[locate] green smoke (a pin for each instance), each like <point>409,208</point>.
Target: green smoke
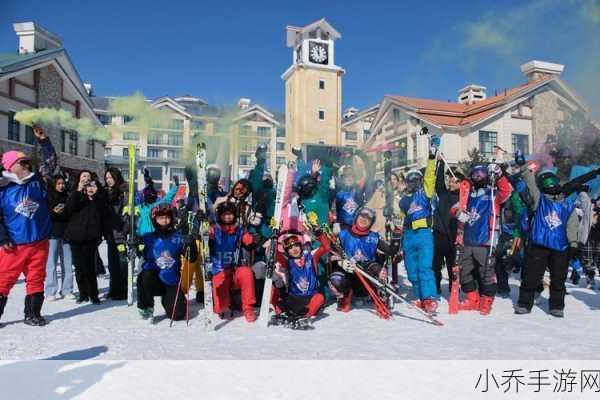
<point>143,116</point>
<point>64,120</point>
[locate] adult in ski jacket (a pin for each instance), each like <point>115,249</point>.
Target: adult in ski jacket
<point>25,226</point>
<point>352,192</point>
<point>116,195</point>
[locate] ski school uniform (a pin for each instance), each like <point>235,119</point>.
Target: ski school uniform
<point>302,297</point>
<point>229,270</point>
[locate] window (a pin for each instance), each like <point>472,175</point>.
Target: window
<point>29,137</point>
<point>263,131</point>
<point>14,128</point>
<point>174,154</point>
<point>90,151</point>
<point>104,119</point>
<point>63,140</point>
<point>321,84</point>
<point>155,138</point>
<point>245,130</point>
<point>322,115</point>
<point>175,140</point>
<point>176,124</point>
<point>127,119</point>
<point>154,153</point>
<point>280,160</point>
<point>125,152</point>
<point>125,173</point>
<point>280,146</point>
<point>155,173</point>
<point>131,136</point>
<point>73,143</point>
<point>366,134</point>
<point>487,141</point>
<point>244,159</point>
<point>520,142</point>
<point>176,172</point>
<point>198,125</point>
<point>400,154</point>
<point>280,132</point>
<point>351,135</point>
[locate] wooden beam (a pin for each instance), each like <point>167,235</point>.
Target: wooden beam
<point>18,100</point>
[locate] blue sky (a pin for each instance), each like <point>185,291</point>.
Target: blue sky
<point>223,50</point>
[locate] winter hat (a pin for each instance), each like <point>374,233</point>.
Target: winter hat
<point>12,157</point>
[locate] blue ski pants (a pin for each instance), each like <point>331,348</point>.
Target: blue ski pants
<point>418,259</point>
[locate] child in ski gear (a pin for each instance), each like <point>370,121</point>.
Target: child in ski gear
<point>361,245</point>
<point>417,241</point>
<point>552,238</point>
<point>298,269</point>
<point>230,269</point>
<point>57,200</point>
<point>25,226</point>
<point>88,210</point>
<point>351,194</point>
<point>489,190</point>
<point>150,200</point>
<point>160,275</point>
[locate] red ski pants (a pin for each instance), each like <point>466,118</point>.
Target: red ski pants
<point>233,278</point>
<point>29,259</point>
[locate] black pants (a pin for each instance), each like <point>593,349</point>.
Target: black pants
<point>84,259</point>
<point>117,267</point>
<point>150,285</point>
<point>538,258</point>
<point>443,251</point>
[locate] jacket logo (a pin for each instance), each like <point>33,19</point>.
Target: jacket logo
<point>553,220</point>
<point>359,256</point>
<point>350,206</point>
<point>303,284</point>
<point>27,208</point>
<point>414,207</point>
<point>165,260</point>
<point>474,216</point>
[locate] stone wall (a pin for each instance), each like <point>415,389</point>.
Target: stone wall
<point>546,117</point>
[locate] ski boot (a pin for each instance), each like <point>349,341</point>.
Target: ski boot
<point>557,313</point>
<point>226,315</point>
<point>520,310</point>
<point>575,277</point>
<point>146,313</point>
<point>429,306</point>
<point>504,294</point>
<point>3,300</point>
<point>485,305</point>
<point>250,315</point>
<point>471,302</point>
<point>200,297</point>
<point>344,304</point>
<point>33,308</point>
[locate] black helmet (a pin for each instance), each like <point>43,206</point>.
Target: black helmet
<point>548,182</point>
<point>164,209</point>
<point>414,180</point>
<point>226,207</point>
<point>480,176</point>
<point>339,282</point>
<point>213,174</point>
<point>307,186</point>
<point>366,212</point>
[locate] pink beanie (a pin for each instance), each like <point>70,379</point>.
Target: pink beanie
<point>12,157</point>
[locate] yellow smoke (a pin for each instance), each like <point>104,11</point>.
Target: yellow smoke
<point>143,116</point>
<point>49,117</point>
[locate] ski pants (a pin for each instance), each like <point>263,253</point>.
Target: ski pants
<point>191,271</point>
<point>476,272</point>
<point>305,306</point>
<point>84,259</point>
<point>418,258</point>
<point>117,267</point>
<point>444,252</point>
<point>150,285</point>
<point>29,259</point>
<point>538,258</point>
<point>233,278</point>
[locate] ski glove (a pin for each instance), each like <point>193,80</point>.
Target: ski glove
<point>463,216</point>
<point>495,169</point>
<point>255,218</point>
<point>519,158</point>
<point>349,265</point>
<point>176,180</point>
<point>121,248</point>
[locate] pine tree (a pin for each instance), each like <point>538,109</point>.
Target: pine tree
<point>474,157</point>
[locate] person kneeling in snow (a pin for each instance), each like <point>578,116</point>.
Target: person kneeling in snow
<point>160,273</point>
<point>298,270</point>
<point>230,269</point>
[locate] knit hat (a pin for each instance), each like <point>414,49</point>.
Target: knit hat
<point>12,157</point>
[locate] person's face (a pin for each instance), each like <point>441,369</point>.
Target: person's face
<point>453,184</point>
<point>91,188</point>
<point>85,177</point>
<point>295,251</point>
<point>21,168</point>
<point>163,220</point>
<point>60,186</point>
<point>348,180</point>
<point>363,221</point>
<point>394,181</point>
<point>227,218</point>
<point>110,181</point>
<point>239,191</point>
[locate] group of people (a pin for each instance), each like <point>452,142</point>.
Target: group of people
<point>336,219</point>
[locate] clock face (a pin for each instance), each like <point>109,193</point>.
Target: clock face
<point>318,53</point>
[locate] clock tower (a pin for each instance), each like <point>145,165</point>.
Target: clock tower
<point>313,86</point>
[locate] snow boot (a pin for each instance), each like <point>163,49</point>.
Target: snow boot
<point>471,302</point>
<point>200,297</point>
<point>33,309</point>
<point>146,313</point>
<point>522,310</point>
<point>505,294</point>
<point>575,277</point>
<point>345,303</point>
<point>250,315</point>
<point>429,305</point>
<point>3,300</point>
<point>557,313</point>
<point>485,305</point>
<point>226,315</point>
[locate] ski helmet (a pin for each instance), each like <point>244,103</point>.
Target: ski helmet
<point>213,174</point>
<point>291,241</point>
<point>414,180</point>
<point>479,176</point>
<point>548,182</point>
<point>367,213</point>
<point>226,207</point>
<point>307,186</point>
<point>242,183</point>
<point>167,210</point>
<point>339,282</point>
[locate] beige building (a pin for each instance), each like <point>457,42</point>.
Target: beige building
<point>41,74</point>
<point>517,118</point>
<point>356,126</point>
<point>313,86</point>
<point>231,135</point>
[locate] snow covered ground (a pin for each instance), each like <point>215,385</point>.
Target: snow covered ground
<point>114,331</point>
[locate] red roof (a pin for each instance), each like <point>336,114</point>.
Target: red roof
<point>455,114</point>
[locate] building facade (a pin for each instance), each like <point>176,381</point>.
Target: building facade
<point>42,75</point>
<point>356,126</point>
<point>313,86</point>
<point>517,118</point>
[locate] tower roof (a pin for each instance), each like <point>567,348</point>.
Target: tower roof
<point>295,33</point>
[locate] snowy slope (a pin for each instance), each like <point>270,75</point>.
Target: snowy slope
<point>114,331</point>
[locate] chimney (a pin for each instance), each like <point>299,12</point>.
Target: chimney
<point>244,103</point>
<point>350,112</point>
<point>34,38</point>
<point>88,88</point>
<point>471,94</point>
<point>535,70</point>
